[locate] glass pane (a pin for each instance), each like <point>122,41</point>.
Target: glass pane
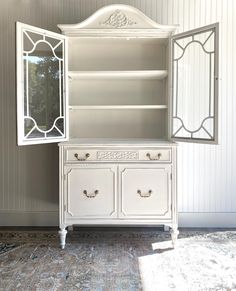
<point>193,85</point>
<point>43,73</point>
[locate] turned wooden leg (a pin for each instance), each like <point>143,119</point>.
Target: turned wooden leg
<point>62,233</point>
<point>174,234</point>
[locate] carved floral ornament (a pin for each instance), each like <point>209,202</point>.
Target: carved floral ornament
<point>118,19</point>
<point>117,155</point>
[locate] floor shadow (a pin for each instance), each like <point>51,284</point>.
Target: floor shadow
<point>160,251</point>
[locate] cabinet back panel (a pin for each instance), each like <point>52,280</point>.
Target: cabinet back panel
<point>116,54</point>
<point>137,123</point>
<point>117,92</point>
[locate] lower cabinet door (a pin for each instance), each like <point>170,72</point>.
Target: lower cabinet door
<point>145,191</point>
<point>90,191</point>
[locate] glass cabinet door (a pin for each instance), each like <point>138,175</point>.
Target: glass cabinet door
<point>194,85</point>
<point>41,86</point>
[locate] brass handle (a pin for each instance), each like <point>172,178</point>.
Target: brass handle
<point>90,195</point>
<point>144,195</point>
<point>152,158</point>
<point>87,155</point>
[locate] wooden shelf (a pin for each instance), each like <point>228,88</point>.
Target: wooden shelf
<point>145,74</point>
<point>108,107</point>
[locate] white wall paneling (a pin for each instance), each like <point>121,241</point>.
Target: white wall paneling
<point>206,173</point>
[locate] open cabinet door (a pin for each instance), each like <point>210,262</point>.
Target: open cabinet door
<point>194,85</point>
<point>41,86</point>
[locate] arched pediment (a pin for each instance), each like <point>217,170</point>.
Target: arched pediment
<point>116,19</point>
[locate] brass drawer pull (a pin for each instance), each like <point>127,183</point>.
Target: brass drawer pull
<point>90,195</point>
<point>153,158</point>
<point>144,195</point>
<point>87,155</point>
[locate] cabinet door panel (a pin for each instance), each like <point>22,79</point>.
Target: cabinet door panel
<point>91,192</point>
<point>195,85</point>
<point>145,191</point>
<point>41,85</point>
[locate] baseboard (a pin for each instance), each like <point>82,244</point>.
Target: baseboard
<point>29,218</point>
<point>51,218</point>
<point>204,219</point>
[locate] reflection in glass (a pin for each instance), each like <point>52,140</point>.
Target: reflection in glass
<point>193,86</point>
<point>43,87</point>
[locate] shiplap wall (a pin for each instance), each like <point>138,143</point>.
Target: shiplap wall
<point>206,173</point>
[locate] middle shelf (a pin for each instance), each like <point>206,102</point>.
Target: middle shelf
<point>108,107</point>
<point>143,74</point>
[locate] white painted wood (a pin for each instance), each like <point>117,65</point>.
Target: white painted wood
<point>108,107</point>
<point>145,191</point>
<point>62,234</point>
<point>144,74</point>
<point>205,173</point>
<point>115,20</point>
<point>194,88</point>
<point>118,142</point>
<point>90,191</point>
<point>155,155</point>
<point>78,154</point>
<point>23,84</point>
<point>78,176</point>
<point>119,222</point>
<point>174,234</point>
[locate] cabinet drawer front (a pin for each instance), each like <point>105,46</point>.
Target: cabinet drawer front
<point>91,192</point>
<point>145,192</point>
<point>80,155</point>
<point>155,155</point>
<point>76,155</point>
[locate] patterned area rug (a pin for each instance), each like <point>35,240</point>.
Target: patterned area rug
<point>5,247</point>
<point>122,260</point>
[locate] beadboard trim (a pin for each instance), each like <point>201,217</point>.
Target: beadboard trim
<point>207,219</point>
<point>29,218</point>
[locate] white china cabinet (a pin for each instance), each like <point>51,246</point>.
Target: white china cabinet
<point>116,91</point>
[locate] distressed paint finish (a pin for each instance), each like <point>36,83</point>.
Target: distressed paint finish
<point>29,175</point>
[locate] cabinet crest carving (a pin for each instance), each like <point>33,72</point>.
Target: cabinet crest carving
<point>117,155</point>
<point>118,19</point>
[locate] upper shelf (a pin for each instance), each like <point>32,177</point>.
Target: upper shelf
<point>145,74</point>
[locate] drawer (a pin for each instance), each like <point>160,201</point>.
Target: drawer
<point>123,155</point>
<point>145,191</point>
<point>80,155</point>
<point>155,155</point>
<point>91,192</point>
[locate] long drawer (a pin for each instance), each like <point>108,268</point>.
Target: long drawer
<point>79,155</point>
